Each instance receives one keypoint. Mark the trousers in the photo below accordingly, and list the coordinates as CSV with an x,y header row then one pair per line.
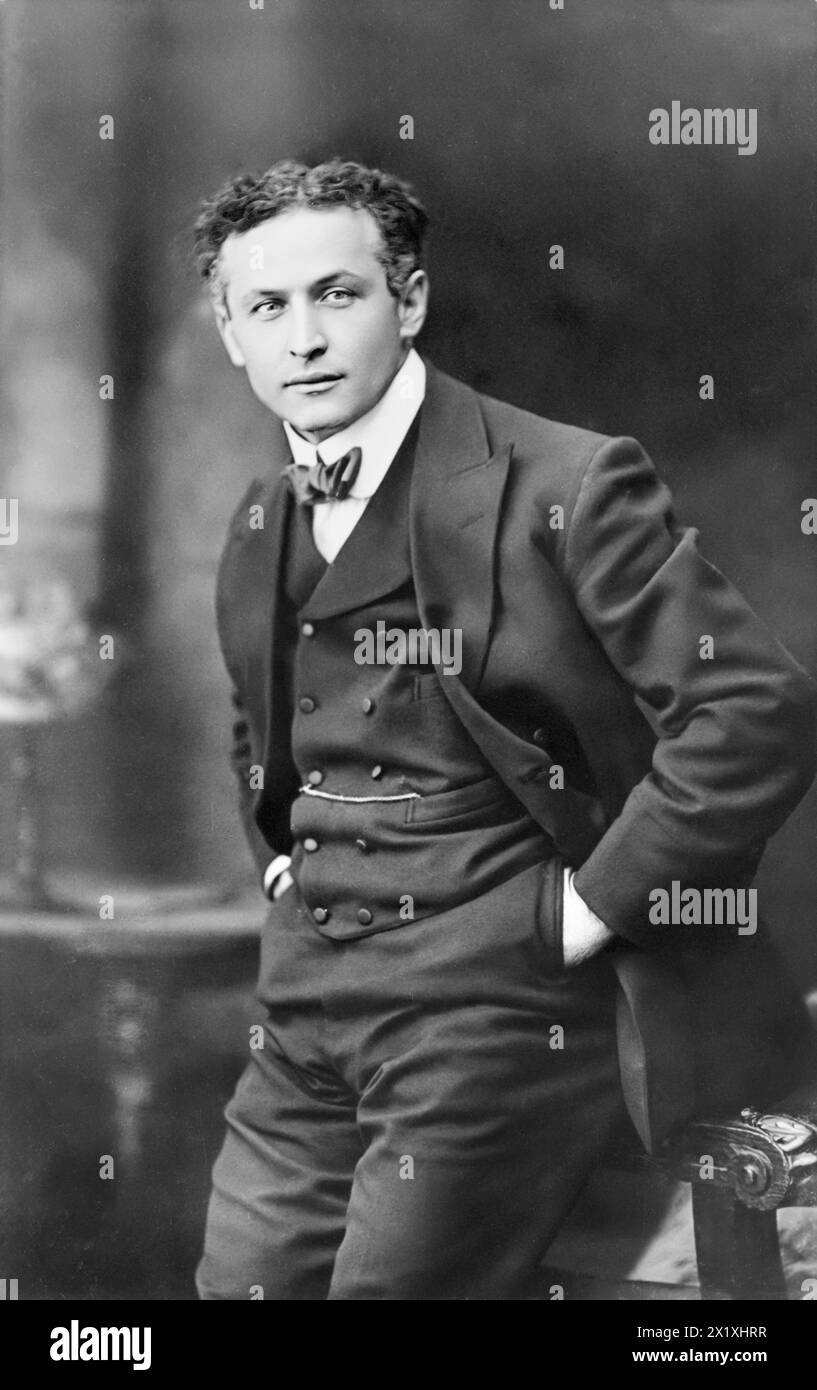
x,y
426,1106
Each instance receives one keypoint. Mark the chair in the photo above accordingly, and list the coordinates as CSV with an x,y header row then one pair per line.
x,y
742,1169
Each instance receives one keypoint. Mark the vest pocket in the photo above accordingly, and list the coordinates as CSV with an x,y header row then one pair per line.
x,y
459,802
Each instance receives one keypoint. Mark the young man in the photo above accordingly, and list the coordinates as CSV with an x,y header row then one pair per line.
x,y
436,611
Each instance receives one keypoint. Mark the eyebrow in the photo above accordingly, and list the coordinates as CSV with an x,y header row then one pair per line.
x,y
316,285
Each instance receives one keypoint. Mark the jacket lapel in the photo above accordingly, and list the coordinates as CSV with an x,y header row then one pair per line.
x,y
457,491
456,494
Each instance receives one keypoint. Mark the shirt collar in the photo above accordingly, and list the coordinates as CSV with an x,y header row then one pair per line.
x,y
378,434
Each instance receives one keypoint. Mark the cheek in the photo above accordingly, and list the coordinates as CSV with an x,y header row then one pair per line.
x,y
263,379
262,355
375,329
256,336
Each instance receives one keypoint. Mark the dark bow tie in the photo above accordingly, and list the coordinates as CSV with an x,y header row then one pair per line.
x,y
324,482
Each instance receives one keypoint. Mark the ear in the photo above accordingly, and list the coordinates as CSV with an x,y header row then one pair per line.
x,y
227,334
413,305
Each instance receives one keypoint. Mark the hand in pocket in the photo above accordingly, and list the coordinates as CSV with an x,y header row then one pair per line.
x,y
583,933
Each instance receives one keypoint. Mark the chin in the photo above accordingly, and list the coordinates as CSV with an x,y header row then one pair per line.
x,y
326,424
328,418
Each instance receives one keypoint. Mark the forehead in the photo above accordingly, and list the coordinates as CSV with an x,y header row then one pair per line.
x,y
297,247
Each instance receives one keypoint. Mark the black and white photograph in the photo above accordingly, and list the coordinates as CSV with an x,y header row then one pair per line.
x,y
408,663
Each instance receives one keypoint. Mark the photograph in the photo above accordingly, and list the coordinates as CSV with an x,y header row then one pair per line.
x,y
408,664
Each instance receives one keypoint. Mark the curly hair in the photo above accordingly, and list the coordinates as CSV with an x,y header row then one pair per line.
x,y
247,200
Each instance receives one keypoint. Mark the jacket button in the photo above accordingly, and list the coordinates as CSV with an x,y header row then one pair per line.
x,y
363,846
377,771
314,778
310,844
307,629
306,704
321,914
368,705
364,916
539,735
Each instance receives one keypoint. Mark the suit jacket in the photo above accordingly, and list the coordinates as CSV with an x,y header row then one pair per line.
x,y
582,605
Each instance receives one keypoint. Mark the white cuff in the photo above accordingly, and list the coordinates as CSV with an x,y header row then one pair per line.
x,y
273,871
575,909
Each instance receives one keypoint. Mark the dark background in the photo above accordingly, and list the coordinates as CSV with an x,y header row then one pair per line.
x,y
530,128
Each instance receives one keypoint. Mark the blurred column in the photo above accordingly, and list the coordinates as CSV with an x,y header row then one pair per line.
x,y
80,295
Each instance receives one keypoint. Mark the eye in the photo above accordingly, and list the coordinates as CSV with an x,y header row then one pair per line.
x,y
338,295
266,308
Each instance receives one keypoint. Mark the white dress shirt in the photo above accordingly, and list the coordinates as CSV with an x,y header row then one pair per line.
x,y
378,434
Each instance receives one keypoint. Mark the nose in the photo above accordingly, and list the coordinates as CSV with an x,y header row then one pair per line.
x,y
306,338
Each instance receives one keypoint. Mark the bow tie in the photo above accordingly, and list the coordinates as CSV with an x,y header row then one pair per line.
x,y
324,482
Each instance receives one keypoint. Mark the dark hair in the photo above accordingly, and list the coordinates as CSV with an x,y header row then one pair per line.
x,y
247,200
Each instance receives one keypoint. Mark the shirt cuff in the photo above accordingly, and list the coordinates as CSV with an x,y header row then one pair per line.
x,y
575,909
273,872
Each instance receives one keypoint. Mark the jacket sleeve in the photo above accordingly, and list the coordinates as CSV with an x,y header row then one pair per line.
x,y
736,716
241,761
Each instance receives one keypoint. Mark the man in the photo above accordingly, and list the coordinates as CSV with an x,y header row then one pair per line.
x,y
460,971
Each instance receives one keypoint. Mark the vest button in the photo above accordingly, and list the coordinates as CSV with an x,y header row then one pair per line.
x,y
306,704
377,771
321,914
363,846
364,916
307,629
368,705
538,735
315,778
310,845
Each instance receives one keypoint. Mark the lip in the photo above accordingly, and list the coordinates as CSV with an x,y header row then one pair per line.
x,y
316,381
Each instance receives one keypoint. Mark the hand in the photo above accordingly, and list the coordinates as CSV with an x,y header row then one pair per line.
x,y
583,933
